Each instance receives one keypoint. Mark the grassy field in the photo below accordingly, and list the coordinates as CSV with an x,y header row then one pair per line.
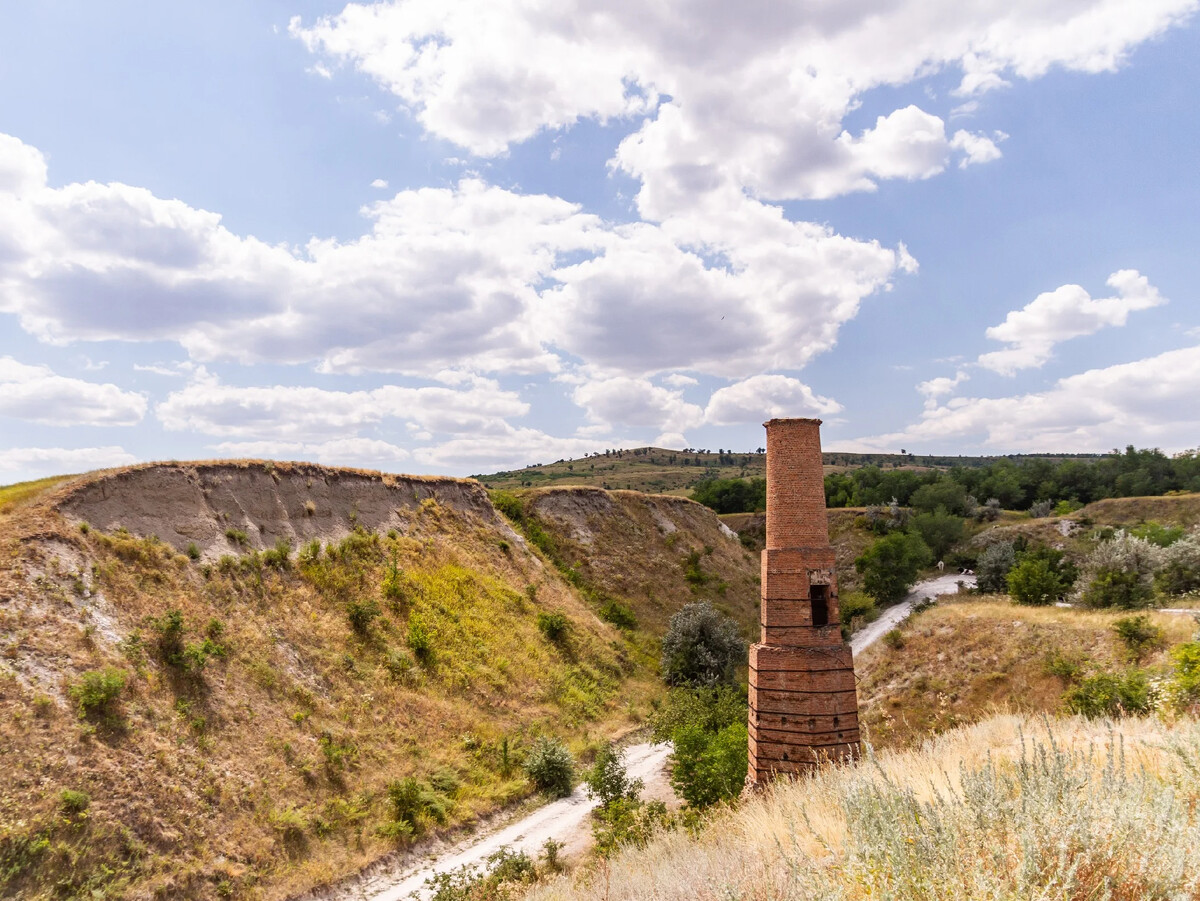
x,y
13,496
1013,807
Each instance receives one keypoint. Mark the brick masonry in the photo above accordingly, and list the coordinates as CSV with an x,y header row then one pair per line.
x,y
803,702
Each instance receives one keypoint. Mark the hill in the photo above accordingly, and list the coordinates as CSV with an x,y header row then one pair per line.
x,y
216,677
664,471
1012,807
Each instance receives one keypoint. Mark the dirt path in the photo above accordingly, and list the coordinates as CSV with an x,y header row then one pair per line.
x,y
567,820
893,616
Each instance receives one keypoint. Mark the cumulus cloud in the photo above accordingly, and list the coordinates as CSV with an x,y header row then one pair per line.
x,y
473,278
364,453
636,403
293,413
1065,313
1152,399
37,394
515,448
763,397
18,464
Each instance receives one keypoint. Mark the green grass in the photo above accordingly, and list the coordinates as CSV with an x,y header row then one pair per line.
x,y
11,496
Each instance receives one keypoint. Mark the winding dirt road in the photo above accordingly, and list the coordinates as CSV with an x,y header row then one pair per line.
x,y
566,820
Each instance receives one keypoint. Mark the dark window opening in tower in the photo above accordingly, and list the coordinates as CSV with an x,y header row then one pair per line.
x,y
819,596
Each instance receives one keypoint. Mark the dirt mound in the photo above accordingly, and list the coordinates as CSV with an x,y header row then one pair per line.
x,y
213,505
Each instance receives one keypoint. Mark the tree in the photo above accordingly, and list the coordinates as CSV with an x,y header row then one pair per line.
x,y
701,647
709,767
889,567
550,767
1034,581
607,780
939,530
945,494
994,565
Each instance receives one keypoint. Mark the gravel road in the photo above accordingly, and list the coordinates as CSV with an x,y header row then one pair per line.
x,y
566,820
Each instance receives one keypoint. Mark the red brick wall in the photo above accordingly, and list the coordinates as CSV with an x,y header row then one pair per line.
x,y
795,485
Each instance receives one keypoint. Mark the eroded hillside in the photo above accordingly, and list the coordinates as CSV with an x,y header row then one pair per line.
x,y
212,673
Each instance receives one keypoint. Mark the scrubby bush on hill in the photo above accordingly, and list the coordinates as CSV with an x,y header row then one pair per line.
x,y
993,567
1033,581
97,692
701,647
939,530
1110,694
606,779
1119,572
1179,566
707,727
1139,635
553,625
550,767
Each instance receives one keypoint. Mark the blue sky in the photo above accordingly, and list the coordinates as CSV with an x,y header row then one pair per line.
x,y
456,237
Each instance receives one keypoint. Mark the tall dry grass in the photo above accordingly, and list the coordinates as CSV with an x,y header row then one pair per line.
x,y
1011,808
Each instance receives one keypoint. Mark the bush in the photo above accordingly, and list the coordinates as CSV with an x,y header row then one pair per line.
x,y
1119,572
502,879
280,556
550,767
168,641
553,626
237,536
510,505
1034,581
619,615
400,666
1110,694
701,647
732,495
855,605
361,614
1157,534
1041,509
193,551
1186,681
420,639
628,821
97,692
944,494
1179,566
1139,635
709,767
890,566
939,530
413,805
993,567
894,639
72,801
607,780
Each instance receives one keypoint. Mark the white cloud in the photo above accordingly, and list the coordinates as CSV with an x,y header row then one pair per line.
x,y
296,414
939,387
679,380
1150,401
379,183
516,448
976,148
1065,313
365,453
471,278
636,403
19,464
37,394
763,397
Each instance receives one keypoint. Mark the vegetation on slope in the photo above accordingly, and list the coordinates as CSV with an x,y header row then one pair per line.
x,y
275,719
1013,807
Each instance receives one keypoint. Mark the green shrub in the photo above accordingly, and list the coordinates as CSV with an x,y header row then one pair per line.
x,y
890,566
939,530
400,666
420,639
1110,694
280,556
1069,669
361,614
1139,635
550,767
1126,590
97,692
701,647
894,639
193,551
621,616
692,573
510,505
628,821
709,767
501,879
395,583
607,780
168,642
414,804
991,571
72,801
237,536
1034,581
1179,569
856,605
1186,681
1158,534
553,625
712,707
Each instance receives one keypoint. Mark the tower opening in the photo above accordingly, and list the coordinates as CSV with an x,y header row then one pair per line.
x,y
819,595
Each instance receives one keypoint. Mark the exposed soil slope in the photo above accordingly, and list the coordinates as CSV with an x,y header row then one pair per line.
x,y
249,751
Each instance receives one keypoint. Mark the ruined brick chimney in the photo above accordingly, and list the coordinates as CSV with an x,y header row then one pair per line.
x,y
803,704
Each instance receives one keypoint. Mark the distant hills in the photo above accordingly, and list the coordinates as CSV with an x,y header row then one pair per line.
x,y
664,471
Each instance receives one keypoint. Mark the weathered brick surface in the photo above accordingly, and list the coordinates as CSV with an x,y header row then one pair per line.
x,y
803,702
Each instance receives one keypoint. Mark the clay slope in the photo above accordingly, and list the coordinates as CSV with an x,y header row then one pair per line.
x,y
654,552
200,503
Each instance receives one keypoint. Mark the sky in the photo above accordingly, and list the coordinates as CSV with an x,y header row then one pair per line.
x,y
458,236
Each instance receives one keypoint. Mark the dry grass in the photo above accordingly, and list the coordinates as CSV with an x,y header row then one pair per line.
x,y
266,775
20,493
966,659
1014,807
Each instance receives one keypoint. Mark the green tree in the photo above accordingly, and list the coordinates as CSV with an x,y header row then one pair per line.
x,y
701,647
709,767
889,567
550,767
1034,581
945,494
607,780
939,530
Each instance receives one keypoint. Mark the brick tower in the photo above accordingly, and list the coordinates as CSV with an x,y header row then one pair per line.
x,y
803,704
